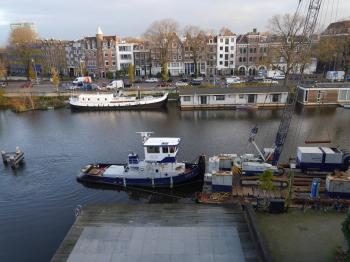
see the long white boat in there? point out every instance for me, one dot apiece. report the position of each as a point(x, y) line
point(115, 102)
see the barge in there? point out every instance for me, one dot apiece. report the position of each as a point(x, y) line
point(97, 102)
point(160, 167)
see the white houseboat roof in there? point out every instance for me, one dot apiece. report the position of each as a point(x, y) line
point(341, 85)
point(162, 141)
point(233, 90)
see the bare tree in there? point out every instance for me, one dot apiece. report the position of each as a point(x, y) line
point(22, 42)
point(162, 34)
point(288, 29)
point(3, 69)
point(196, 43)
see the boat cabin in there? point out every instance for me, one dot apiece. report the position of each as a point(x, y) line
point(161, 149)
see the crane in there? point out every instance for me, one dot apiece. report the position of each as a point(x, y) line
point(305, 41)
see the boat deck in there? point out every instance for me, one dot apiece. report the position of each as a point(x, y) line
point(159, 232)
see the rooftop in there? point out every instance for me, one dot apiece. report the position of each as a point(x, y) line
point(233, 90)
point(327, 85)
point(159, 141)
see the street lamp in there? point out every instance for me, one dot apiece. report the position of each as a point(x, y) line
point(36, 73)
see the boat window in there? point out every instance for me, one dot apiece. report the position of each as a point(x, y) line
point(165, 149)
point(88, 99)
point(153, 149)
point(98, 99)
point(105, 99)
point(172, 149)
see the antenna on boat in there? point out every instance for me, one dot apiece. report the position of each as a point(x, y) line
point(145, 135)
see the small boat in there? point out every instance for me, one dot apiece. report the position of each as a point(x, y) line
point(116, 102)
point(347, 106)
point(13, 158)
point(160, 167)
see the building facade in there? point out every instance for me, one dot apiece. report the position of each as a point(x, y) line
point(251, 54)
point(226, 54)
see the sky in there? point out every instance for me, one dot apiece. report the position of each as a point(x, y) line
point(74, 19)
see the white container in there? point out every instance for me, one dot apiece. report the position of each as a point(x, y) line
point(338, 184)
point(309, 155)
point(222, 179)
point(333, 156)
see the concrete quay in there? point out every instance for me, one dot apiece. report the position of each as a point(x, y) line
point(159, 232)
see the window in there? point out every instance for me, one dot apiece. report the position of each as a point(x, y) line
point(231, 62)
point(244, 59)
point(153, 149)
point(275, 98)
point(221, 40)
point(231, 55)
point(232, 39)
point(232, 48)
point(226, 41)
point(172, 149)
point(344, 95)
point(226, 63)
point(226, 49)
point(250, 59)
point(220, 98)
point(221, 55)
point(106, 54)
point(113, 63)
point(107, 63)
point(240, 59)
point(220, 63)
point(165, 149)
point(187, 98)
point(221, 48)
point(241, 96)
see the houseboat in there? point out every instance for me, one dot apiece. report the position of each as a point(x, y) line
point(160, 167)
point(116, 102)
point(324, 94)
point(233, 98)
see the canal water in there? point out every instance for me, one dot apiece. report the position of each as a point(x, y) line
point(37, 201)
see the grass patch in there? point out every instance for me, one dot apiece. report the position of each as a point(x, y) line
point(27, 103)
point(298, 236)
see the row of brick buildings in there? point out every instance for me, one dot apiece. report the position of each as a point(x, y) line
point(223, 54)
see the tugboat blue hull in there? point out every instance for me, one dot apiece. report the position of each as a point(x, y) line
point(196, 173)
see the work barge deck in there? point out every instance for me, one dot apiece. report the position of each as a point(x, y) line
point(246, 191)
point(161, 232)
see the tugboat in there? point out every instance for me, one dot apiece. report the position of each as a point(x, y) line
point(159, 168)
point(96, 102)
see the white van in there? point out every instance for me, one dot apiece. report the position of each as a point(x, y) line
point(115, 84)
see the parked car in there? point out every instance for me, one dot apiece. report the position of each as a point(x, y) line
point(163, 84)
point(195, 83)
point(270, 81)
point(151, 80)
point(233, 80)
point(199, 79)
point(181, 83)
point(27, 85)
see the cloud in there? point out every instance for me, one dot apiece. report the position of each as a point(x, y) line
point(74, 19)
